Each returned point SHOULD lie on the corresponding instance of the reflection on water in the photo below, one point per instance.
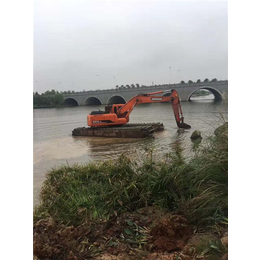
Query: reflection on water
(54, 145)
(210, 97)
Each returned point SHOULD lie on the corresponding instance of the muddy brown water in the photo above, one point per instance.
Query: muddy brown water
(54, 145)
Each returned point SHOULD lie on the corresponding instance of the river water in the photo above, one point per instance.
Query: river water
(54, 145)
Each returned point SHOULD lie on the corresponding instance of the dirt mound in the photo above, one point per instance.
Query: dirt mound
(170, 233)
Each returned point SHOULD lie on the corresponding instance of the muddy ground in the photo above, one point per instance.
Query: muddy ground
(148, 233)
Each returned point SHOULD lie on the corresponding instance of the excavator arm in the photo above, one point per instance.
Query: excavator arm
(126, 109)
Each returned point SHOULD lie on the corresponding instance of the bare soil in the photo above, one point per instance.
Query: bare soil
(149, 233)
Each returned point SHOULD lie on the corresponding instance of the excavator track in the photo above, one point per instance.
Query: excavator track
(138, 130)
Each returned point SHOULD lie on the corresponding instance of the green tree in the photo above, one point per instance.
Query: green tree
(58, 99)
(47, 99)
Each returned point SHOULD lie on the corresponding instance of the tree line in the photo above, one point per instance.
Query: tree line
(199, 81)
(50, 98)
(182, 82)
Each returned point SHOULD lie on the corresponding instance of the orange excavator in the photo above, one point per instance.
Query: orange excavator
(118, 114)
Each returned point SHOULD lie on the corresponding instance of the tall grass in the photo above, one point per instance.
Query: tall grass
(198, 187)
(208, 202)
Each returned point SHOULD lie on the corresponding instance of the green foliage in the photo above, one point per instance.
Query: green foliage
(58, 99)
(47, 99)
(93, 191)
(198, 187)
(206, 202)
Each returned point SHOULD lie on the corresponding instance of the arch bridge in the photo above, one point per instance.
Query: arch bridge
(121, 96)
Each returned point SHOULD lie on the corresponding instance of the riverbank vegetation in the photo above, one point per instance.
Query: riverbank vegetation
(51, 98)
(137, 208)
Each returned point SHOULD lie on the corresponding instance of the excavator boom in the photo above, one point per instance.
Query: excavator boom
(119, 114)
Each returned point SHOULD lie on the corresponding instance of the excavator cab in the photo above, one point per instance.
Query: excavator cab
(113, 108)
(108, 109)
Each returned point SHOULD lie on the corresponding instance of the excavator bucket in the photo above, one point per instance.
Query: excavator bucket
(184, 126)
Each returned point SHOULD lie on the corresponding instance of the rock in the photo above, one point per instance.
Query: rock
(223, 129)
(196, 135)
(199, 241)
(224, 241)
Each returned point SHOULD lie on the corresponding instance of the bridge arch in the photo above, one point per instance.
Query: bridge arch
(92, 101)
(70, 102)
(117, 99)
(215, 92)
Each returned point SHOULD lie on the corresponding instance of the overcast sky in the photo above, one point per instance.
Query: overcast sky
(87, 45)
